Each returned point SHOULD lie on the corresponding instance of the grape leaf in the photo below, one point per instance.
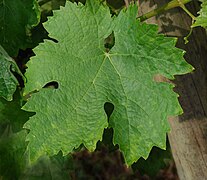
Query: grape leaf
(8, 81)
(55, 167)
(11, 114)
(201, 20)
(16, 20)
(88, 76)
(12, 137)
(12, 158)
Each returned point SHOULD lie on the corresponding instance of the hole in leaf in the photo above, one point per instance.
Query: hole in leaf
(52, 39)
(53, 85)
(160, 78)
(109, 42)
(77, 1)
(108, 107)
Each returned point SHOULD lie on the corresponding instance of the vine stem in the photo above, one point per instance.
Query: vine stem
(126, 3)
(170, 5)
(192, 17)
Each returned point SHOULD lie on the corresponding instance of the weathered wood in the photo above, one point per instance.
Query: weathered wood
(188, 136)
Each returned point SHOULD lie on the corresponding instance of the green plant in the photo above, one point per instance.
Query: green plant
(88, 60)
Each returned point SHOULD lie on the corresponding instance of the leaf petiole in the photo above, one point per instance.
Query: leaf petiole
(170, 5)
(182, 5)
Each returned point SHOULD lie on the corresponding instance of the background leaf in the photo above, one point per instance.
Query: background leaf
(8, 81)
(16, 20)
(12, 155)
(47, 168)
(12, 138)
(11, 114)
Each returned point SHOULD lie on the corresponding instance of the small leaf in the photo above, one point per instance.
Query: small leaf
(8, 81)
(201, 20)
(88, 76)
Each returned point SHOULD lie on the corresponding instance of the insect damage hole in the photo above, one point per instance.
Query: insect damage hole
(160, 78)
(53, 39)
(52, 84)
(109, 108)
(109, 42)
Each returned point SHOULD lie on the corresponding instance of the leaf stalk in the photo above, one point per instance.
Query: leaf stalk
(170, 5)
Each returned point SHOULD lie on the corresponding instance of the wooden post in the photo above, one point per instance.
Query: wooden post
(188, 136)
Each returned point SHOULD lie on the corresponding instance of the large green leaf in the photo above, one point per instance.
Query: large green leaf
(8, 81)
(88, 77)
(201, 20)
(16, 20)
